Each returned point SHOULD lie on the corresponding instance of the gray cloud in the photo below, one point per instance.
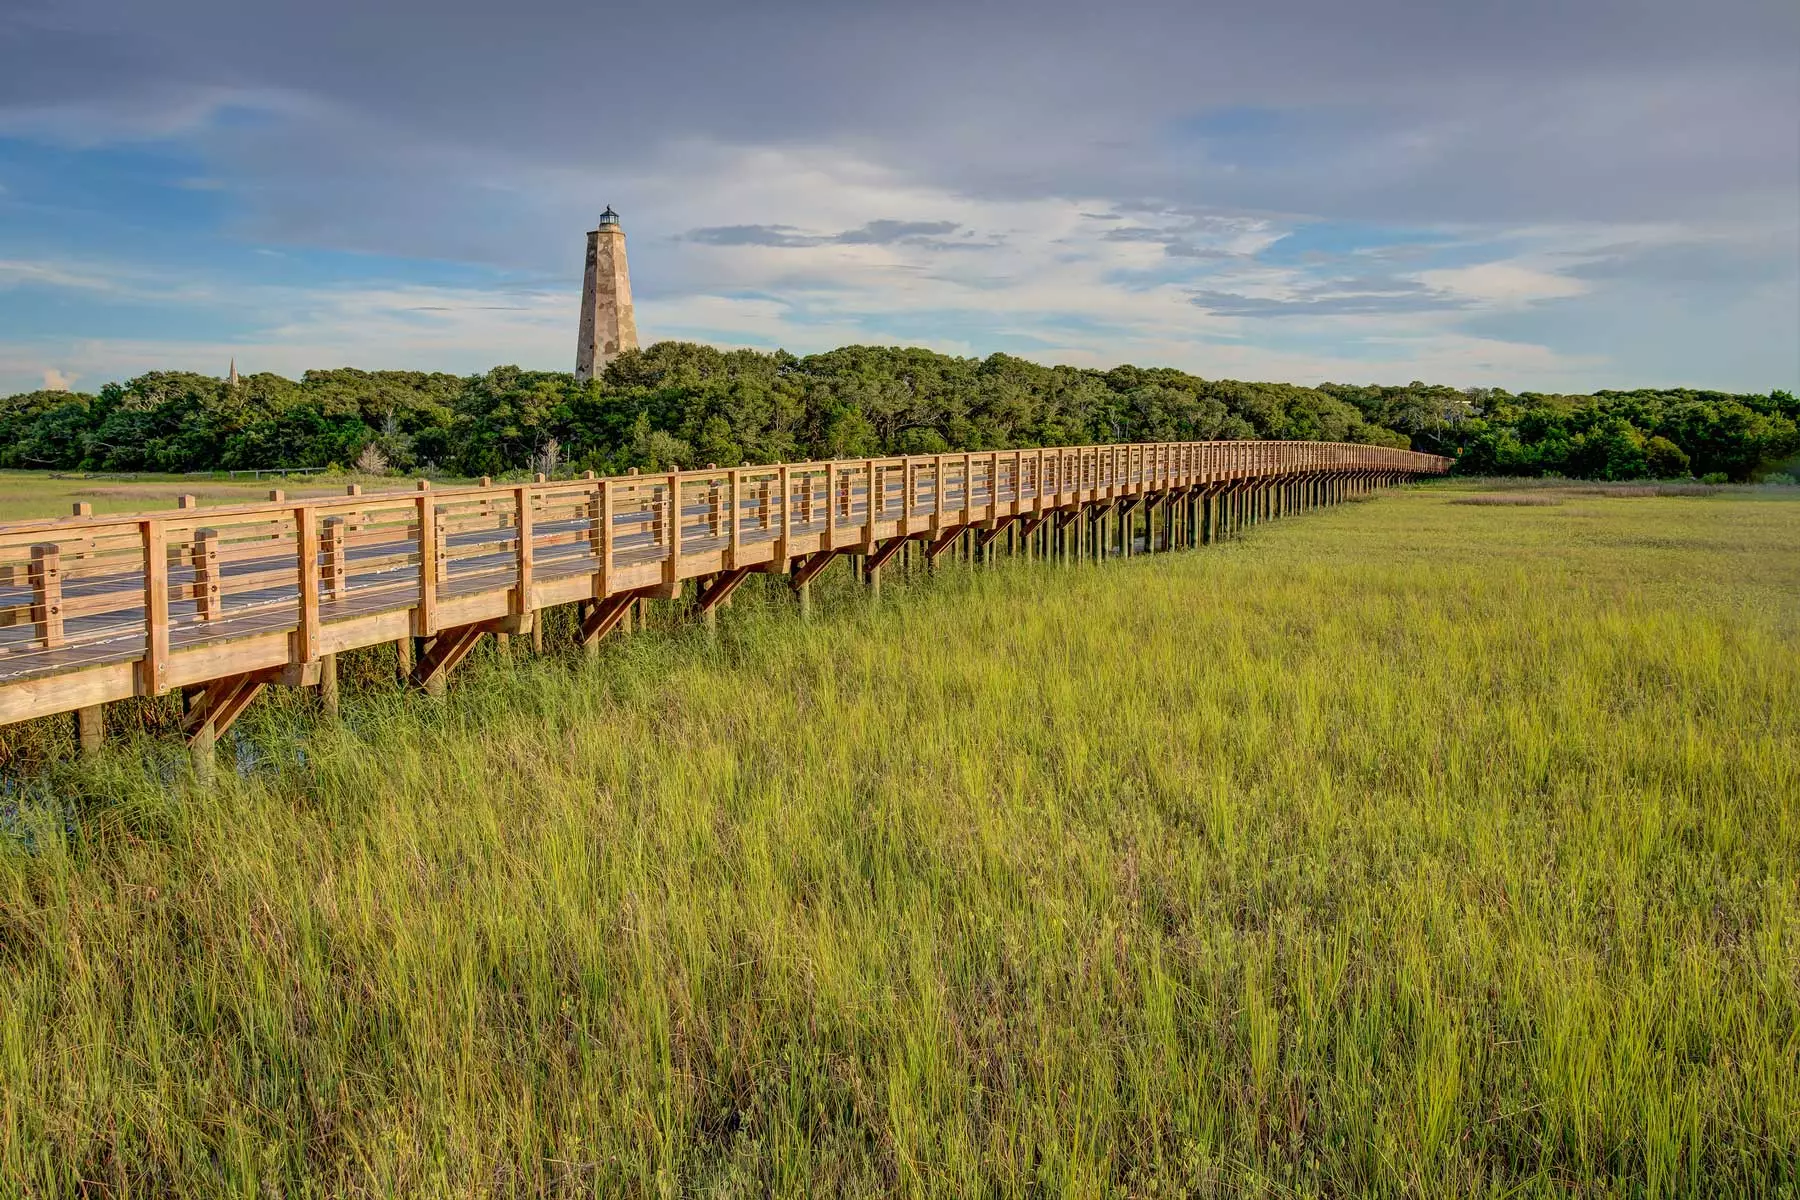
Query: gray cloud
(1343, 297)
(886, 233)
(751, 235)
(1537, 110)
(462, 130)
(882, 232)
(1718, 261)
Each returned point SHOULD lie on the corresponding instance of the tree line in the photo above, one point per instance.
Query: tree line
(678, 403)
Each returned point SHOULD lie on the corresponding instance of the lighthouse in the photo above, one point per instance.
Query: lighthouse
(608, 327)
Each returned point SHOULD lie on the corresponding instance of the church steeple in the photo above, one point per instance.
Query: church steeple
(231, 380)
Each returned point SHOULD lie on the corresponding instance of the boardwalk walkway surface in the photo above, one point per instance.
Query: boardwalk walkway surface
(221, 602)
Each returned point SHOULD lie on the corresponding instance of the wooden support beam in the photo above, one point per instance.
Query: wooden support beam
(716, 590)
(942, 543)
(811, 565)
(443, 653)
(986, 537)
(328, 685)
(213, 707)
(883, 553)
(90, 729)
(605, 616)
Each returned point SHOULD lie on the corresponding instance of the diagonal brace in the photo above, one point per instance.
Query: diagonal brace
(223, 701)
(811, 565)
(719, 588)
(988, 535)
(883, 553)
(942, 543)
(605, 616)
(445, 652)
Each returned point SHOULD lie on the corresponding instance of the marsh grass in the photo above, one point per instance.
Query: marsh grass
(27, 495)
(1405, 848)
(1516, 500)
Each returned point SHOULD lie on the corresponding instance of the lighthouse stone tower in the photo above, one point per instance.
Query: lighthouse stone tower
(608, 327)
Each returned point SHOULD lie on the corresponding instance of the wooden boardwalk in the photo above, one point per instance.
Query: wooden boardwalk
(221, 602)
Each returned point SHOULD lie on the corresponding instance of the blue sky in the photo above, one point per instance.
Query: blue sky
(1543, 196)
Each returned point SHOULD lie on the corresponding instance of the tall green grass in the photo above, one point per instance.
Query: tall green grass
(1404, 848)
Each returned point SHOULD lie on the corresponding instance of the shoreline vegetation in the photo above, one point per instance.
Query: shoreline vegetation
(1410, 847)
(678, 403)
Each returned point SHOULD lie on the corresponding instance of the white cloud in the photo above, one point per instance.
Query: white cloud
(1502, 284)
(1057, 279)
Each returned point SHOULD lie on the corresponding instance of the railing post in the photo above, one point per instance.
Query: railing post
(734, 484)
(425, 616)
(203, 560)
(672, 574)
(46, 594)
(785, 482)
(523, 555)
(331, 548)
(306, 542)
(603, 570)
(153, 669)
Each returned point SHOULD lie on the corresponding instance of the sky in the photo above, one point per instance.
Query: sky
(1553, 196)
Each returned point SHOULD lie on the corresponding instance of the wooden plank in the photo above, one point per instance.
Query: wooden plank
(48, 695)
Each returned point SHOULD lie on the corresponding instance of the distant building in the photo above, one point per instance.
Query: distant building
(231, 380)
(608, 327)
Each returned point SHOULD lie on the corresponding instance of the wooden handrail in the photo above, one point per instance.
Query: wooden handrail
(114, 606)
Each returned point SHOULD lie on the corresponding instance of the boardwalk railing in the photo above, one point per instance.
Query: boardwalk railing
(221, 601)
